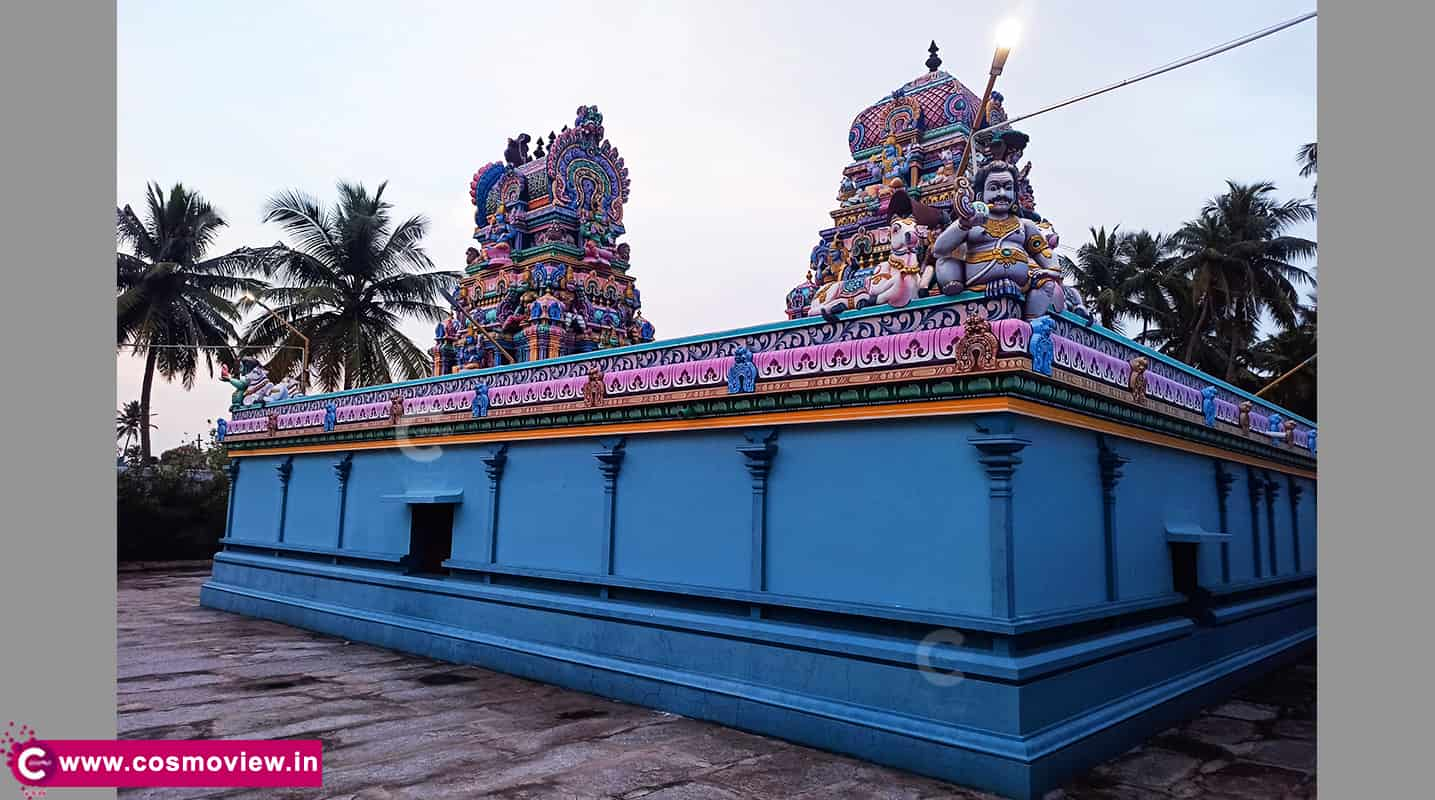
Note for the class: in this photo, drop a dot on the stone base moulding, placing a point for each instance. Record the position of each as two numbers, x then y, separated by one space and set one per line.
1069 706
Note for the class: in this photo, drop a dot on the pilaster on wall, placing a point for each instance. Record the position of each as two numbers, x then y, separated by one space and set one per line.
1273 490
493 463
1255 486
286 471
231 468
757 457
1295 492
1224 479
1111 463
610 462
997 447
342 468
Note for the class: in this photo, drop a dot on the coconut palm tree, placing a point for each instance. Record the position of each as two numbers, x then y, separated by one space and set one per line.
1238 258
1101 274
172 302
1286 350
128 421
1306 157
1149 263
348 280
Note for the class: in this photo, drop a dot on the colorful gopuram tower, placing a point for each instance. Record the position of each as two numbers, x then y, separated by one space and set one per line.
906 149
547 276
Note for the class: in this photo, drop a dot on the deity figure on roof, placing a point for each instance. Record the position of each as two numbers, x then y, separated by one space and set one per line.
502 237
997 252
597 238
893 161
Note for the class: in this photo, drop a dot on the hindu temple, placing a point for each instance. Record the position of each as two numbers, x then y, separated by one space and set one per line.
936 518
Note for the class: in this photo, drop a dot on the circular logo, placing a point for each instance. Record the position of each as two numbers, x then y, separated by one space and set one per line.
936 675
423 454
34 763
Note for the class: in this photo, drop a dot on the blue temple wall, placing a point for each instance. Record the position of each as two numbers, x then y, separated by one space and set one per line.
1245 544
793 600
551 499
692 522
1307 519
312 514
255 502
891 513
1057 520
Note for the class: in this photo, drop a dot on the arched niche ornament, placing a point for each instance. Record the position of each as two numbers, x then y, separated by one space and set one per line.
901 116
581 154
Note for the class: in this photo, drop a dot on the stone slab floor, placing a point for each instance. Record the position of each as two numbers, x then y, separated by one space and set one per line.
398 726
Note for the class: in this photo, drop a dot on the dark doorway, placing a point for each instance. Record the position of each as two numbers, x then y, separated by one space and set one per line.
1184 567
430 538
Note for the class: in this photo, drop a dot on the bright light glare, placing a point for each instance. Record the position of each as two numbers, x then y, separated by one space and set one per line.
1007 33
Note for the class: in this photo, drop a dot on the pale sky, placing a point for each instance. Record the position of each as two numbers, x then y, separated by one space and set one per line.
732 119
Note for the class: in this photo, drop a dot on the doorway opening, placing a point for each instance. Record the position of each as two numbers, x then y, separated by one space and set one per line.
430 538
1185 568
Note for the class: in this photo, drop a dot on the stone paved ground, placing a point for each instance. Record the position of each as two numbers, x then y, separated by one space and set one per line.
398 726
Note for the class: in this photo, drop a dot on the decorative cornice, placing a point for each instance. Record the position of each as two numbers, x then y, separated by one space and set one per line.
1175 385
821 404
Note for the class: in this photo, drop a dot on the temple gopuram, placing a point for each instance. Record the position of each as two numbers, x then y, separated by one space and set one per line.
936 518
547 277
907 153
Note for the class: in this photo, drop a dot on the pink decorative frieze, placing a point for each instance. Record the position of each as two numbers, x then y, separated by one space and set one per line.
1172 392
439 403
1259 421
302 419
944 342
877 352
689 374
1227 411
249 425
838 356
1089 361
1013 336
364 412
551 391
